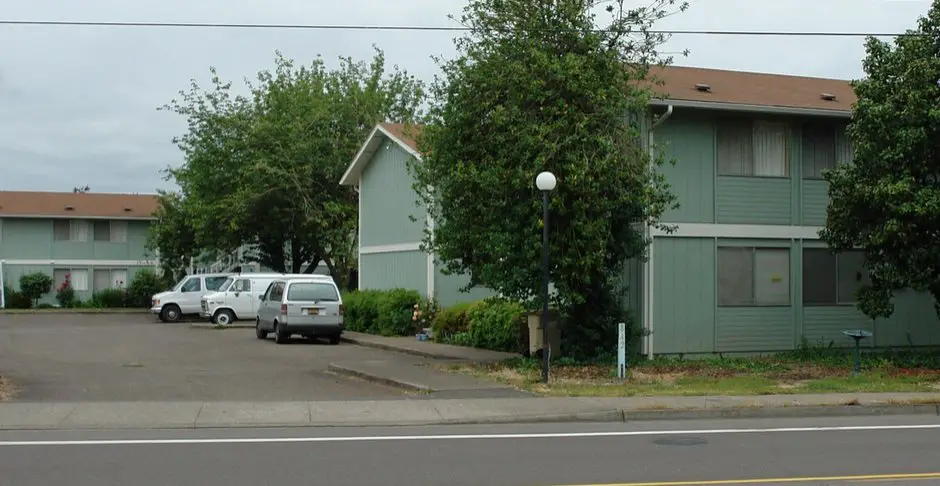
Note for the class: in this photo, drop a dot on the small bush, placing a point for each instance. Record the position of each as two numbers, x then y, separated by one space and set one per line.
451 320
35 285
143 286
384 312
395 310
496 324
362 311
109 299
16 300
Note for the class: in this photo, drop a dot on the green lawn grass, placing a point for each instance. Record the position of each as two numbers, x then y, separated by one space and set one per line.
799 372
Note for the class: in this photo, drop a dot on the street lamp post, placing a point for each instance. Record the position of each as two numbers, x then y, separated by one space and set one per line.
545 182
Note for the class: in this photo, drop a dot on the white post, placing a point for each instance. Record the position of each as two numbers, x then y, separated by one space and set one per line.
621 350
3 297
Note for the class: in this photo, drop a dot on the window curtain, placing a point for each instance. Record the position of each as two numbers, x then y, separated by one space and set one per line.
119 231
770 149
735 276
80 279
119 278
845 153
102 279
735 148
78 230
819 150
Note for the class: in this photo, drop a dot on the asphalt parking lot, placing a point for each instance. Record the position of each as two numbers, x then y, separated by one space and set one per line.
132 357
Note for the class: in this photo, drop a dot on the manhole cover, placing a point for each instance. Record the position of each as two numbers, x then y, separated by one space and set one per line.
680 441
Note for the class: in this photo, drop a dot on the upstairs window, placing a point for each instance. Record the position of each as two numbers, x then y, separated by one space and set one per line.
113 231
752 148
70 230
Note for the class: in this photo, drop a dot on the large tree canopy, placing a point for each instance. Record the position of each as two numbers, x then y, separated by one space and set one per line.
262 168
887 201
544 86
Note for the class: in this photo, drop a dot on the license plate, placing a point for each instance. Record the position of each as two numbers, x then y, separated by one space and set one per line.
313 312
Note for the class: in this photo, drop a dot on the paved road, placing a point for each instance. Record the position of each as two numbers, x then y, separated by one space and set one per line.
68 358
684 452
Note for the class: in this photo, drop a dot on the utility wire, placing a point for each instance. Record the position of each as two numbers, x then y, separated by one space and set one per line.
416 28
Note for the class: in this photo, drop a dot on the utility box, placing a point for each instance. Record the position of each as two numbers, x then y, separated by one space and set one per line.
535 333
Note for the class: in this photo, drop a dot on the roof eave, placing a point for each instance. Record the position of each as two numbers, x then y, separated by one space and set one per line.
748 108
369 147
76 216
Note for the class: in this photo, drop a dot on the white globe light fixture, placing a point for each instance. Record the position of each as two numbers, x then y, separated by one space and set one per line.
545 181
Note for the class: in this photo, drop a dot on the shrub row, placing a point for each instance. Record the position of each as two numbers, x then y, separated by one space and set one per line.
493 323
34 285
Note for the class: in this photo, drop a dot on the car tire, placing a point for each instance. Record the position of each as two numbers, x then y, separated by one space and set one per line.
224 317
260 333
334 340
280 337
171 313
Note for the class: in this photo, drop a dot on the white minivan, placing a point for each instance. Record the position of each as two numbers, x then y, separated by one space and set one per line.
185 297
237 298
311 306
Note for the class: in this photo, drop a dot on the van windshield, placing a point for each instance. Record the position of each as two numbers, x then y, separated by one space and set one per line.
312 292
179 284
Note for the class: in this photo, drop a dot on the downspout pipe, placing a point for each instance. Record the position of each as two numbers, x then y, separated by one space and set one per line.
650 299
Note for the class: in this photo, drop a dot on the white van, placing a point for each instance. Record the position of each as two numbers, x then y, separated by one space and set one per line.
238 297
185 297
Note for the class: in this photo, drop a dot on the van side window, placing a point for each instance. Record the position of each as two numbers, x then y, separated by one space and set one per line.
213 283
192 285
268 291
278 291
242 285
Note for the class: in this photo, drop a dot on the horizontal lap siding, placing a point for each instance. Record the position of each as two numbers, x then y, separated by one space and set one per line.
753 329
750 200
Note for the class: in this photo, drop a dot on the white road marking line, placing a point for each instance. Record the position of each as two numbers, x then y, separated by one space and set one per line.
548 435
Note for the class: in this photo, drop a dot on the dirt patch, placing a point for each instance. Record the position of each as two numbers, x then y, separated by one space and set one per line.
7 389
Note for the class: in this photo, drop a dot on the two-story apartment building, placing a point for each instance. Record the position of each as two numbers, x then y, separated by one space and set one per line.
99 239
744 269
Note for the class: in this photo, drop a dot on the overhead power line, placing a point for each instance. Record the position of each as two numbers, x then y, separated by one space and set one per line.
414 28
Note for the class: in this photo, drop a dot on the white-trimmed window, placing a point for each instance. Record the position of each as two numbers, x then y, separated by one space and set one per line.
110 278
70 230
78 277
832 279
749 276
752 148
113 231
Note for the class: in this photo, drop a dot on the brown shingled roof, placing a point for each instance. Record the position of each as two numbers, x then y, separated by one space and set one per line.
761 89
406 133
84 205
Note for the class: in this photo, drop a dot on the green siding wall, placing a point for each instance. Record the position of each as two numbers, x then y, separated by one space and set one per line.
684 292
387 200
752 200
824 324
815 202
32 239
447 289
405 269
691 144
632 280
750 329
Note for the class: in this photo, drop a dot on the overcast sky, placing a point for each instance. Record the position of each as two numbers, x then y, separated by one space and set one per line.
78 104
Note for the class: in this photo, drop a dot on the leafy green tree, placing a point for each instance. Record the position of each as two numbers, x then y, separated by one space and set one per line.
262 168
887 201
172 237
538 86
35 285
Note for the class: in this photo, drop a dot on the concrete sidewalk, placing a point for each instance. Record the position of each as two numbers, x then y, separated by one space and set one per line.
425 349
439 412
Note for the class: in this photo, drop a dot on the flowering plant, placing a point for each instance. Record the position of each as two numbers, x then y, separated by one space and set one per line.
423 314
65 294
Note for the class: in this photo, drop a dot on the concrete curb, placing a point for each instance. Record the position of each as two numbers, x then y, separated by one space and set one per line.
209 325
72 311
397 349
599 416
404 385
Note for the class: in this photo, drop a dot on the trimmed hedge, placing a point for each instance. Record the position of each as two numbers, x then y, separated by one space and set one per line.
383 312
494 323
